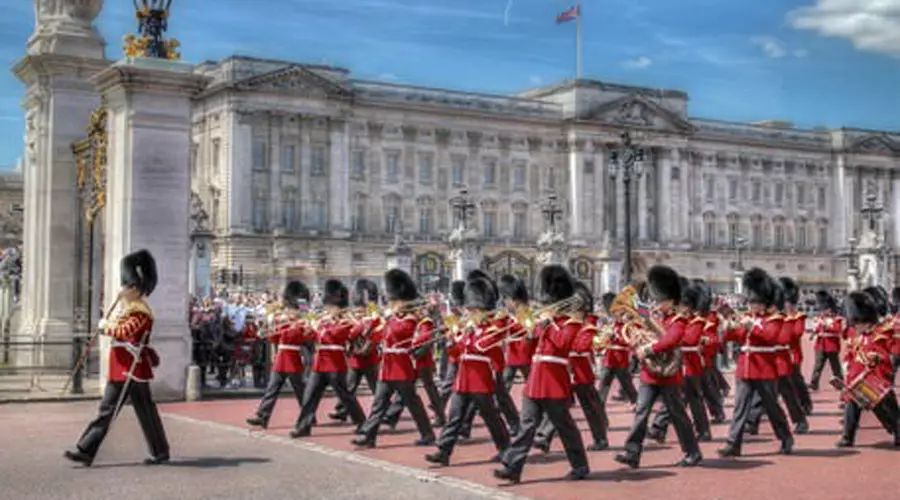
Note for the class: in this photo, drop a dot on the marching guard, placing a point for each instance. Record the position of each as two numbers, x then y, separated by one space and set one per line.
798 320
895 337
710 345
549 386
333 334
457 300
830 330
131 363
616 357
519 344
288 332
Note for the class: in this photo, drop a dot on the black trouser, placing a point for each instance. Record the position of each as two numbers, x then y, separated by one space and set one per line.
887 413
504 404
801 389
308 354
533 411
445 388
355 377
672 400
712 395
895 364
834 362
594 412
509 374
745 391
693 396
426 376
721 383
382 402
785 387
459 409
270 397
623 375
315 389
145 410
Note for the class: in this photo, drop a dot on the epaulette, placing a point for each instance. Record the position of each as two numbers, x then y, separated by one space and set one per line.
775 316
426 319
697 319
588 326
500 314
137 306
572 321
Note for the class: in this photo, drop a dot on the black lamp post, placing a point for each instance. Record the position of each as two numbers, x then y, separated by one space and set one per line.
463 208
551 210
740 244
153 22
628 159
872 210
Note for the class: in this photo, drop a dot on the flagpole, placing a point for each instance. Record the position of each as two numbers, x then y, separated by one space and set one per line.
578 44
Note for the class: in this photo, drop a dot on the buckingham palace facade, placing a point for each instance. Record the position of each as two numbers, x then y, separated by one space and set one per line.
307 173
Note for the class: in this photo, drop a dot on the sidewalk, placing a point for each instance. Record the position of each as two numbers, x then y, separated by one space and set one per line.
22 388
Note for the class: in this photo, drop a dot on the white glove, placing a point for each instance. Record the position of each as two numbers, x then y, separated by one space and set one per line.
103 325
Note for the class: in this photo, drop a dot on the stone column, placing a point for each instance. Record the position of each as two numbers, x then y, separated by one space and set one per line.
895 212
239 182
576 187
148 196
683 159
62 53
339 177
665 209
642 215
838 203
601 177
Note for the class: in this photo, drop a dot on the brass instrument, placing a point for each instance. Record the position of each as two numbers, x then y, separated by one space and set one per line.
449 327
605 334
642 330
363 345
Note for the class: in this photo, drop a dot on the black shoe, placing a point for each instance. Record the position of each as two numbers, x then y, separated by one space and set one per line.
299 433
512 476
426 441
718 419
808 410
440 457
258 421
498 458
79 457
729 451
578 474
542 445
363 442
337 416
657 436
465 434
801 428
630 459
787 446
599 446
438 422
690 460
752 430
844 443
157 460
813 387
704 437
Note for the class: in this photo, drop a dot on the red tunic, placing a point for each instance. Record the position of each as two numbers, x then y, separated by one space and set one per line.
711 333
799 323
895 342
397 342
129 332
501 321
675 326
424 333
757 358
829 332
453 349
784 358
877 343
691 347
476 370
549 377
366 327
519 348
618 353
289 337
581 357
332 337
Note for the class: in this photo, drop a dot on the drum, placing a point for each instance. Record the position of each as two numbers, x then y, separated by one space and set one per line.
868 389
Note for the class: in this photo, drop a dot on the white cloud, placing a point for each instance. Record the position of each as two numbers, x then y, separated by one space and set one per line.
536 80
642 62
772 47
872 25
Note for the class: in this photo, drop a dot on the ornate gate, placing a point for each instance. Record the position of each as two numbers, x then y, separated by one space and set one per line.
583 269
514 263
429 271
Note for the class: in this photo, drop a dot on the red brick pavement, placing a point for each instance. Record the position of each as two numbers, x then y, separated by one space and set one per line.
816 471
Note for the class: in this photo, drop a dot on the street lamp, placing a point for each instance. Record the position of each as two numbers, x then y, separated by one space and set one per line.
871 210
629 160
463 209
153 22
551 210
740 244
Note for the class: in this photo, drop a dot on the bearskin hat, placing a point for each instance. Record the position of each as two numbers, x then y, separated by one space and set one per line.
294 292
791 290
479 294
692 297
556 284
758 287
364 293
879 295
825 302
895 295
779 296
336 294
457 293
861 308
586 298
479 274
607 300
664 284
513 288
705 304
400 286
138 271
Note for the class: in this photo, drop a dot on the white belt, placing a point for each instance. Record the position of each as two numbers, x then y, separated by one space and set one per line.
695 348
394 350
751 349
132 349
896 336
476 357
515 339
330 347
829 336
616 348
282 347
581 355
543 358
782 348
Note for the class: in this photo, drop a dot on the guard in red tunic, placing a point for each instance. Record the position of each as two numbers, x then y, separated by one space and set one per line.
131 364
549 385
616 358
710 343
581 364
756 372
475 379
457 300
288 332
519 343
869 358
397 374
798 320
665 289
334 332
363 352
895 337
830 329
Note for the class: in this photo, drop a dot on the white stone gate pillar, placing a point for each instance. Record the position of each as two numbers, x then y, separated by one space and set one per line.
148 196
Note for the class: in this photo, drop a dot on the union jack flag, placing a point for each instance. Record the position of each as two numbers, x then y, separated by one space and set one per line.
569 15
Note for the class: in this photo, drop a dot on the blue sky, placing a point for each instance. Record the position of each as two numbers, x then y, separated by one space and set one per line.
814 62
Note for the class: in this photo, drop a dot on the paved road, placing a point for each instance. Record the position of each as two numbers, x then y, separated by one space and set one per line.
212 462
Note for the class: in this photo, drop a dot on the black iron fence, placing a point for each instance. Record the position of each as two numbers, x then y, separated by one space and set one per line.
30 364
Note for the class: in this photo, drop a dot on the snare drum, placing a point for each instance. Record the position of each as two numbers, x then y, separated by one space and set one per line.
868 390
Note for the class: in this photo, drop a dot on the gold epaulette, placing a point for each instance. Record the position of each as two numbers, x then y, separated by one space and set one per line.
589 327
572 321
775 316
697 319
426 319
137 306
500 314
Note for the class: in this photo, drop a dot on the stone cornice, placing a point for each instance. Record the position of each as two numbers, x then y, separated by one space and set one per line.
150 79
31 68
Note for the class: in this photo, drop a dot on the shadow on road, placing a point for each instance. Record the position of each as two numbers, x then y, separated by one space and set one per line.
195 463
722 464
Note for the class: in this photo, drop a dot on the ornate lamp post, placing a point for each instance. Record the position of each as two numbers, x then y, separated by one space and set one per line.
153 22
872 210
464 243
463 209
627 159
740 244
201 238
552 247
399 255
853 264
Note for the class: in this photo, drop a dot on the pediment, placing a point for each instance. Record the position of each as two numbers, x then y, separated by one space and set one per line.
635 111
295 80
876 144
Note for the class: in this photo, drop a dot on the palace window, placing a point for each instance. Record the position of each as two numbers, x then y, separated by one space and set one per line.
258 152
520 224
823 237
426 169
779 234
392 166
359 165
551 179
756 191
319 214
709 230
288 210
490 173
426 220
317 161
490 223
358 220
801 234
391 214
801 195
821 200
288 155
519 176
756 237
779 194
732 189
458 171
709 189
260 208
733 231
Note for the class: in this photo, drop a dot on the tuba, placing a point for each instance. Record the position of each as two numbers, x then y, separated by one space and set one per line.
641 329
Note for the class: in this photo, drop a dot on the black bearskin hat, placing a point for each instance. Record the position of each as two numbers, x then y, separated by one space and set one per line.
479 274
400 286
707 300
758 287
825 302
664 284
607 300
586 298
457 293
138 271
294 292
513 288
879 295
778 295
692 297
895 298
364 292
791 290
336 294
683 282
861 308
556 284
479 294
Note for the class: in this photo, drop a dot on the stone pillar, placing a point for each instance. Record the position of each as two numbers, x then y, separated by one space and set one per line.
465 252
62 53
200 274
148 196
665 209
642 215
895 212
339 177
839 202
576 188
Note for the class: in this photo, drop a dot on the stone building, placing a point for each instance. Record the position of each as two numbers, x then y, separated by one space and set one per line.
11 203
307 172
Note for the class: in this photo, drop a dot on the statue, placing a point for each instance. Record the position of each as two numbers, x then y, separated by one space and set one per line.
199 217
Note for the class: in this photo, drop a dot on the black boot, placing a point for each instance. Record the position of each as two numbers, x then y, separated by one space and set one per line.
163 459
787 446
844 443
258 421
299 433
632 460
690 460
578 474
729 450
439 457
506 474
363 442
79 457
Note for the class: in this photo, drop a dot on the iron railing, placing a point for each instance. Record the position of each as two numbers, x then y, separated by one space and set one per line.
35 364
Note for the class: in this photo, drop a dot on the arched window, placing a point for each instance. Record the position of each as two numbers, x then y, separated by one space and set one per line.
802 241
778 232
734 229
709 229
756 231
520 220
392 204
